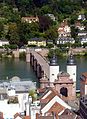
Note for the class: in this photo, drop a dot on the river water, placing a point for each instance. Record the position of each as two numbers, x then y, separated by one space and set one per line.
15 67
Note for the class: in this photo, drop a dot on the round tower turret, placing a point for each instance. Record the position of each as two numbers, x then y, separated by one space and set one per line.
53 69
72 68
71 60
53 61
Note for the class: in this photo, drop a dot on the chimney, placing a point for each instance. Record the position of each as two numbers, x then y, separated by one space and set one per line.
56 115
37 116
1 114
25 113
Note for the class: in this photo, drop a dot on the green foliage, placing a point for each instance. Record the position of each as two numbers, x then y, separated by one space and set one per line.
85 54
45 9
74 32
13 35
33 94
78 44
51 33
45 22
84 45
22 55
1 30
13 46
17 32
32 46
57 52
50 45
13 100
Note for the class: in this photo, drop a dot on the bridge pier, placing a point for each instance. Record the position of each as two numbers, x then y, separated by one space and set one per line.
31 58
39 73
32 61
27 55
35 65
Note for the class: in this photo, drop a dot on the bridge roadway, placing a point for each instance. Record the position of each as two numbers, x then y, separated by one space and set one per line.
42 61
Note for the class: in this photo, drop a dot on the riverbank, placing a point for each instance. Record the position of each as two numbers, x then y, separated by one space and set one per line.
78 51
45 52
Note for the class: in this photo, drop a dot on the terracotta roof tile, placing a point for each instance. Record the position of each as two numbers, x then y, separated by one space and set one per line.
84 74
1 117
50 96
57 108
41 90
45 117
16 115
26 117
68 114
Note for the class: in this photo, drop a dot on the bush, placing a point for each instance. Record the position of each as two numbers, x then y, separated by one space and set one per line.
32 45
13 100
22 55
50 45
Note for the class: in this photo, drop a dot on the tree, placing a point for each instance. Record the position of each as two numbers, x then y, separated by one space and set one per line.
73 18
74 32
51 34
45 9
27 31
13 35
1 30
33 94
44 22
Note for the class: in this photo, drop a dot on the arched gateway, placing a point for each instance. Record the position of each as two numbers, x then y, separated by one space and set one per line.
64 91
64 85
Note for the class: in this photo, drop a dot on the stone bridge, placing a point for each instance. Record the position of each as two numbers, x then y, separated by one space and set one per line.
38 62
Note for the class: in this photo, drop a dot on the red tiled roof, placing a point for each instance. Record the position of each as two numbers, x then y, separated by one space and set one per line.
84 74
51 95
41 90
26 117
1 117
57 108
16 115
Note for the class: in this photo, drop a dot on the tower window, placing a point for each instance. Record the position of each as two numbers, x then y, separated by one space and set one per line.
52 74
